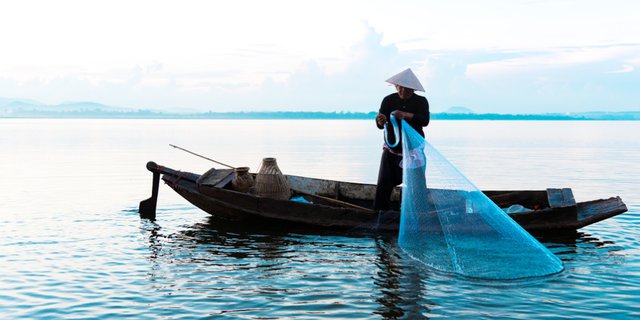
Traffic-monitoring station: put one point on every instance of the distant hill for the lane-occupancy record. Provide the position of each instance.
(458, 109)
(5, 102)
(82, 105)
(24, 108)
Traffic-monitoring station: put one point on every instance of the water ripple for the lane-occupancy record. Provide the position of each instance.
(77, 249)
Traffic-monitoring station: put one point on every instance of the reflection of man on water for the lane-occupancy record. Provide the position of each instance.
(414, 109)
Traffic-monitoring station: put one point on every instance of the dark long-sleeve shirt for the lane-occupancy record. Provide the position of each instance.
(418, 105)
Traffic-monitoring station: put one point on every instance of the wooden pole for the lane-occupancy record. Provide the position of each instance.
(201, 156)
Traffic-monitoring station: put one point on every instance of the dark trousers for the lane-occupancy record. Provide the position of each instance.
(389, 176)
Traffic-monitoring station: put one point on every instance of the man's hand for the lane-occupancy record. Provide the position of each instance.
(402, 115)
(381, 119)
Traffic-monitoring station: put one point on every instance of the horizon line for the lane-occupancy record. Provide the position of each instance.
(354, 115)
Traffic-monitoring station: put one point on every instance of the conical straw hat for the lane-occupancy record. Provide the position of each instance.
(406, 79)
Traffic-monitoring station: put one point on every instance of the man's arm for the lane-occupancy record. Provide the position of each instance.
(422, 116)
(381, 117)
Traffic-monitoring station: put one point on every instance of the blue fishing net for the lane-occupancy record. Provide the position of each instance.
(453, 227)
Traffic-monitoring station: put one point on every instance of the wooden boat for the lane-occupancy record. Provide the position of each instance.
(345, 205)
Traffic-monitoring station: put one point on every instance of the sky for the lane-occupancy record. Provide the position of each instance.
(491, 56)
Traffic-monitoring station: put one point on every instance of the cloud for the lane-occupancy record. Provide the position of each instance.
(559, 80)
(624, 69)
(359, 86)
(247, 81)
(257, 77)
(558, 58)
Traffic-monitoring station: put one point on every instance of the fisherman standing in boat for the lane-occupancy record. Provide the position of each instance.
(414, 109)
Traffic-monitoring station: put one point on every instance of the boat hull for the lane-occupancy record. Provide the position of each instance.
(344, 205)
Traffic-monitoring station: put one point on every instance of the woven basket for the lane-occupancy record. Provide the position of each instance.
(243, 181)
(270, 182)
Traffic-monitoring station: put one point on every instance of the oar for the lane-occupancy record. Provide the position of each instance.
(147, 207)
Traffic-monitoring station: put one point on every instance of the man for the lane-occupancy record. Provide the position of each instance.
(414, 109)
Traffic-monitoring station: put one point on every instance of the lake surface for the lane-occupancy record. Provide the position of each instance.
(72, 244)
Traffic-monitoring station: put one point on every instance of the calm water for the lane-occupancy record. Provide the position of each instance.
(72, 245)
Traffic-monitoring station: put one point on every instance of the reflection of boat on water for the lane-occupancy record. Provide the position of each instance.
(345, 205)
(293, 266)
(217, 257)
